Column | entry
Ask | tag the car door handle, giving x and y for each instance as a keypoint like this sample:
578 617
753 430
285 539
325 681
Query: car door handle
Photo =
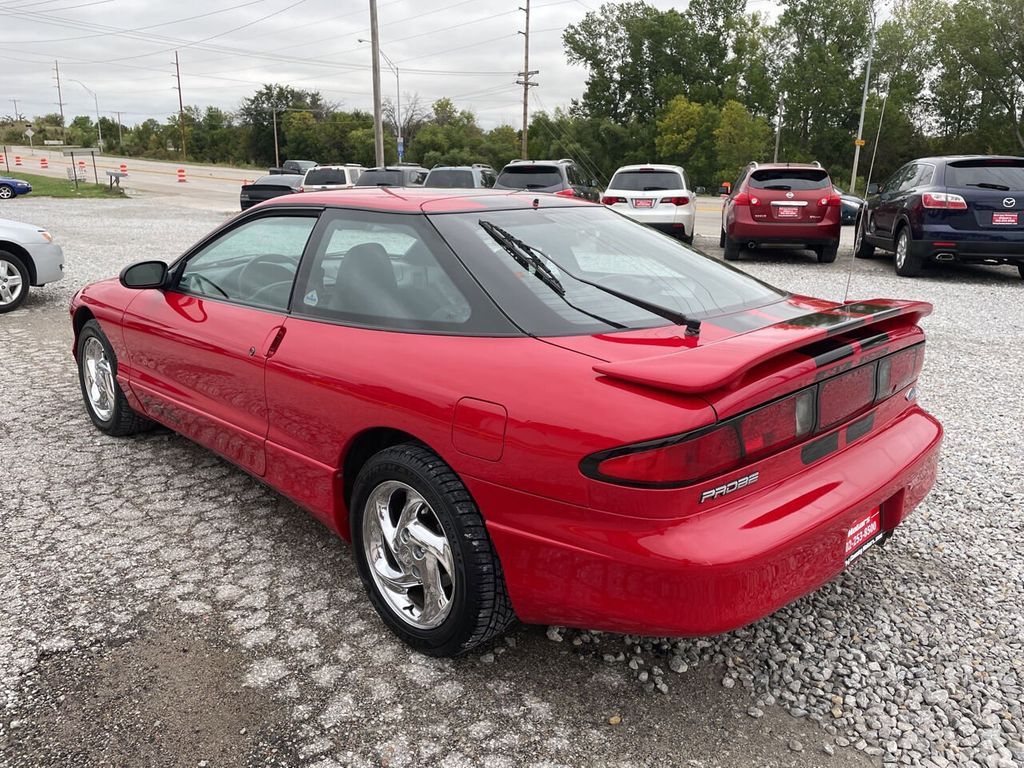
273 340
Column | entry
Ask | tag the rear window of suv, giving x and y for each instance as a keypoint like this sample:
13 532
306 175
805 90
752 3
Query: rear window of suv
373 178
646 181
326 176
530 177
450 179
987 174
786 179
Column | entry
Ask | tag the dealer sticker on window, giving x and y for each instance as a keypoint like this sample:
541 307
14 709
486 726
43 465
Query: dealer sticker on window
863 534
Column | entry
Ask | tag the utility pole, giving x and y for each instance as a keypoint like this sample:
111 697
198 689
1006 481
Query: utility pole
778 127
526 74
181 106
119 139
863 106
17 114
378 123
878 136
60 103
398 100
277 153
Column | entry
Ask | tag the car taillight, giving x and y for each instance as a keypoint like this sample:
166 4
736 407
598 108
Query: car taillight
676 200
845 395
777 425
832 201
897 371
612 200
745 199
302 189
565 193
943 200
705 456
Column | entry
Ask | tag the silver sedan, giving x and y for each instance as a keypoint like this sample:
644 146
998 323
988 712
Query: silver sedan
28 257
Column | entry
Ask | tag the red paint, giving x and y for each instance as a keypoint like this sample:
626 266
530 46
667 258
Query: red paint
286 398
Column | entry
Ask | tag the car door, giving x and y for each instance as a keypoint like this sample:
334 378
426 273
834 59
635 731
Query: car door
890 196
198 349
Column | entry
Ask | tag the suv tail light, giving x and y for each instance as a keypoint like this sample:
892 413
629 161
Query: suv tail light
676 200
744 198
565 193
611 200
943 200
832 201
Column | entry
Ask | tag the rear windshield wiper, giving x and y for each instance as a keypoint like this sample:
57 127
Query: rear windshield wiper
531 255
987 185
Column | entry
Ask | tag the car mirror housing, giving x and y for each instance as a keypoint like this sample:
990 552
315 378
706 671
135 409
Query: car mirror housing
873 189
145 274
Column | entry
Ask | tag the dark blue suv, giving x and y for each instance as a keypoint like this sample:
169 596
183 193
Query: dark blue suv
966 208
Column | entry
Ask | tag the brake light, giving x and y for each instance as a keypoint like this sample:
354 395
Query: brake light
612 200
898 371
845 395
302 189
832 201
710 454
777 425
565 193
676 200
943 200
745 199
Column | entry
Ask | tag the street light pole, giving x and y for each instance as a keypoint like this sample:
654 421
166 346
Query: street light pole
96 102
863 107
378 126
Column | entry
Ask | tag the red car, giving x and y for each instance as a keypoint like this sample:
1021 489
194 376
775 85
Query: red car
519 405
782 204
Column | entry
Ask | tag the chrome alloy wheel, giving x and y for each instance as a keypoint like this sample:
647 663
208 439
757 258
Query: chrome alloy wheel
902 245
99 379
408 554
10 282
6 193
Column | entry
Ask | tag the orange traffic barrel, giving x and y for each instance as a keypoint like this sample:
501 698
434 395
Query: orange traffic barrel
17 160
124 168
44 163
181 175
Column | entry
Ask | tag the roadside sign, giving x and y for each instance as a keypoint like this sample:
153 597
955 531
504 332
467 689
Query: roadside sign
859 142
52 142
29 132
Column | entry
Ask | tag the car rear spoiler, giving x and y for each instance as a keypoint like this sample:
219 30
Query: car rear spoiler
717 365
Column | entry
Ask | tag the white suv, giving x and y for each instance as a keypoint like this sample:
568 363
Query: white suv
656 195
326 177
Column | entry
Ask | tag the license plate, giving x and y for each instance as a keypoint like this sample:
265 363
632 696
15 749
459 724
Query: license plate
862 534
1004 218
643 203
787 212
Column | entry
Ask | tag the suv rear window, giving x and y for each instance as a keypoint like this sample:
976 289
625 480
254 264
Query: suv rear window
373 178
786 179
530 177
450 179
646 181
987 174
326 176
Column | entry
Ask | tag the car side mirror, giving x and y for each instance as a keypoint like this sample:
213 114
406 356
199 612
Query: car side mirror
723 190
145 274
873 189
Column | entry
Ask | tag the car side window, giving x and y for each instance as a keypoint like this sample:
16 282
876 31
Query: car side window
923 176
381 270
487 178
573 175
253 264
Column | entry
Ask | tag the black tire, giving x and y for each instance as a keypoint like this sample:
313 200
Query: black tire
721 239
732 249
827 253
7 258
909 264
1020 268
480 608
862 249
6 192
687 238
123 420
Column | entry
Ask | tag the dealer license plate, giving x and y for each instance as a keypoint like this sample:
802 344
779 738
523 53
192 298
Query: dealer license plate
787 212
863 534
1005 218
643 203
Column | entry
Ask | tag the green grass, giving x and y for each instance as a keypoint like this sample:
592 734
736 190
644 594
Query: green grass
47 186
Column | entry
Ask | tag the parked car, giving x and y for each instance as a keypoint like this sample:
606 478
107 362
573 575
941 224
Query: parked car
266 187
967 208
28 257
11 188
524 406
475 176
292 168
328 177
401 175
559 177
851 205
656 195
782 204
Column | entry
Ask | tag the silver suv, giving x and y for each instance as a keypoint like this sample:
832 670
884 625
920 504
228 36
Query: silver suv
476 176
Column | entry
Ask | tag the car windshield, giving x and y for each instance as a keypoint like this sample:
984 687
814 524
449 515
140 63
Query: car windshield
786 179
279 180
326 176
450 179
373 178
645 181
995 173
530 177
602 247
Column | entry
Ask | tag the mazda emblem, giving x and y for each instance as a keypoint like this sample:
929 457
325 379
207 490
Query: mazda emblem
790 195
1009 202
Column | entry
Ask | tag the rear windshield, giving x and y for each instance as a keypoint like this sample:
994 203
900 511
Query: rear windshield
785 179
530 177
373 178
326 176
450 179
646 181
280 180
603 247
986 174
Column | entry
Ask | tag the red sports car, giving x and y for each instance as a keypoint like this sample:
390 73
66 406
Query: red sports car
519 405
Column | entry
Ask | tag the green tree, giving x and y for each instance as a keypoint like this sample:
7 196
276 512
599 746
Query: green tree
739 138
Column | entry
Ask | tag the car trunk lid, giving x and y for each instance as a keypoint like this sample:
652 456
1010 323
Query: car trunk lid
993 190
789 195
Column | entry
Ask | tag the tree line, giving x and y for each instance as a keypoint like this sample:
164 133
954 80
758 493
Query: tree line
702 88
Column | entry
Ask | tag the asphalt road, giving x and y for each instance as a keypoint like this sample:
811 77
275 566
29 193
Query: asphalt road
159 607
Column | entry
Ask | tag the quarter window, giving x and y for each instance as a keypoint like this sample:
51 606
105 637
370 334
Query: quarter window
254 263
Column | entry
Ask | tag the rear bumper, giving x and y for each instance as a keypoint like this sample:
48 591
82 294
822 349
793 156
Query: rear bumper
671 219
979 247
745 229
710 572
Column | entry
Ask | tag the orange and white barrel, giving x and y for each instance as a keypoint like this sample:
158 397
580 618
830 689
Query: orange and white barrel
124 168
181 175
17 160
44 163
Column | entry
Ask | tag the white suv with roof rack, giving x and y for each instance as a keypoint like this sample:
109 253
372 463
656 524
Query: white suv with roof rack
656 195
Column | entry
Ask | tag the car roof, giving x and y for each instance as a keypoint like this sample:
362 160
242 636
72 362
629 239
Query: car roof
335 166
956 158
784 166
428 200
649 167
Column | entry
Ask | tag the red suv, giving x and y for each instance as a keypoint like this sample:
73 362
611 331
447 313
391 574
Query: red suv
782 203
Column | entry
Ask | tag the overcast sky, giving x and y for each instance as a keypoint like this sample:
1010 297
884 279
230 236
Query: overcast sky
124 51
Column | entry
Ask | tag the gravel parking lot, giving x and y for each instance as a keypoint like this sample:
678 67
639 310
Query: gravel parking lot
160 607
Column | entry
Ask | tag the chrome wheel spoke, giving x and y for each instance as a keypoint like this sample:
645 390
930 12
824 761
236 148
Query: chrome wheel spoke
98 378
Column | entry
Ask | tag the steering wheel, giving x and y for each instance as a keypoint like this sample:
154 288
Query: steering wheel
201 279
264 271
268 297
